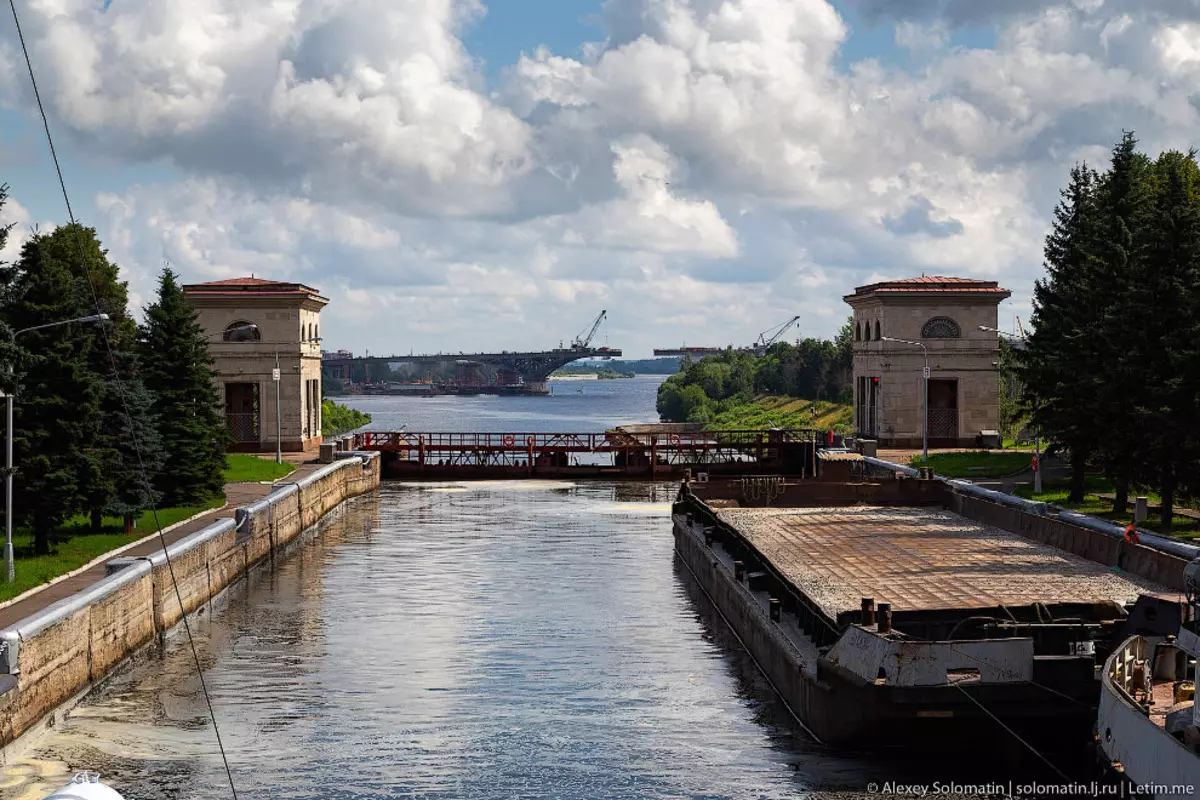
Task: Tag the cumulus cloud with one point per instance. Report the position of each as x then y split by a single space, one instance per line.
710 164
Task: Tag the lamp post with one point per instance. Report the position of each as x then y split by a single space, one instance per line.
276 376
1019 343
925 407
9 562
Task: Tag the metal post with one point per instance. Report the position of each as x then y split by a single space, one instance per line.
925 423
278 427
1037 453
10 566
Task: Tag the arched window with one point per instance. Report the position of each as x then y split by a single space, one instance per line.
858 331
242 331
941 328
316 331
877 334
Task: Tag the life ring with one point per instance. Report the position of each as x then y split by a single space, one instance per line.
673 438
508 441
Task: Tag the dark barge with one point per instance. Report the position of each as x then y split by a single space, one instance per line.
897 612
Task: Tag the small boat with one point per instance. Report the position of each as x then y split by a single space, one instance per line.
86 786
1148 725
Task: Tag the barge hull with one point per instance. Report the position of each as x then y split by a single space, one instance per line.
837 708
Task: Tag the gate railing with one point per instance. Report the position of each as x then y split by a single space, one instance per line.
943 423
242 427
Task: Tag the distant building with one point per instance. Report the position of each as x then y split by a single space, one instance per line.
336 354
944 315
250 322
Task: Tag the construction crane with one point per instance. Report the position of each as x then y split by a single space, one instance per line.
582 341
775 333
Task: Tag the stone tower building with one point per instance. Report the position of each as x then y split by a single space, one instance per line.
943 315
251 324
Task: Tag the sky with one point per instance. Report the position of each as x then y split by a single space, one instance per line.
456 175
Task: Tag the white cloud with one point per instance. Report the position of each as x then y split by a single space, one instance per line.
709 154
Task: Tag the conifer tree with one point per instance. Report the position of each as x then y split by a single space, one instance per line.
1165 334
1120 379
1060 351
177 368
57 414
112 478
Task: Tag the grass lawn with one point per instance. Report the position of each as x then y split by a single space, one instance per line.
976 464
1092 505
241 468
83 546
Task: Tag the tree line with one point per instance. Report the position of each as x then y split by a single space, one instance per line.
111 418
1111 371
811 369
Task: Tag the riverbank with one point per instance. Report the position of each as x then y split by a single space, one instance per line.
779 411
56 643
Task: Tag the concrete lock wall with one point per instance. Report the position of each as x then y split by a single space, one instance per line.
62 650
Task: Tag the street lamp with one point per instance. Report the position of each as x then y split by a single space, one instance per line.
278 412
9 563
925 408
1019 342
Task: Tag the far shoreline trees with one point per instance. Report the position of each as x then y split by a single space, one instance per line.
812 369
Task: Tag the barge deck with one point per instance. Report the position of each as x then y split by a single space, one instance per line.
921 559
894 612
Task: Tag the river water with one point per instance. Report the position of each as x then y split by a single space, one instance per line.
474 640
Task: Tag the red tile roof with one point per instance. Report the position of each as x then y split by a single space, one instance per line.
234 287
933 283
241 282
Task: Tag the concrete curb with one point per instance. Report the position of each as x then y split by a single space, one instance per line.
100 559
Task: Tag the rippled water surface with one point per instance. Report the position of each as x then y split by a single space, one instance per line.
483 640
475 640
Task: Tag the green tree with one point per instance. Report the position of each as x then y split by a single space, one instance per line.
57 422
1164 332
177 368
1060 353
1121 380
114 473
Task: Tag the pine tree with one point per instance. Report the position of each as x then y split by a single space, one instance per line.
1164 333
57 414
177 368
1060 352
1120 379
10 353
112 478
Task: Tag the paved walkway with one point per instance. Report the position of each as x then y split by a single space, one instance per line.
236 495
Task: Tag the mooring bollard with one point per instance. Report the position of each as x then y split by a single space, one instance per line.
776 609
708 536
885 618
739 570
868 611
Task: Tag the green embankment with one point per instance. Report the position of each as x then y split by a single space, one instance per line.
774 411
1096 506
241 468
78 545
337 419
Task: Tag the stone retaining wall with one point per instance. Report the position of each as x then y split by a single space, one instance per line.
60 651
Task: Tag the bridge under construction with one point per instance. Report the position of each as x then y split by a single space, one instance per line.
631 452
466 373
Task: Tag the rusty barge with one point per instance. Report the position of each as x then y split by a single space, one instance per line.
891 611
